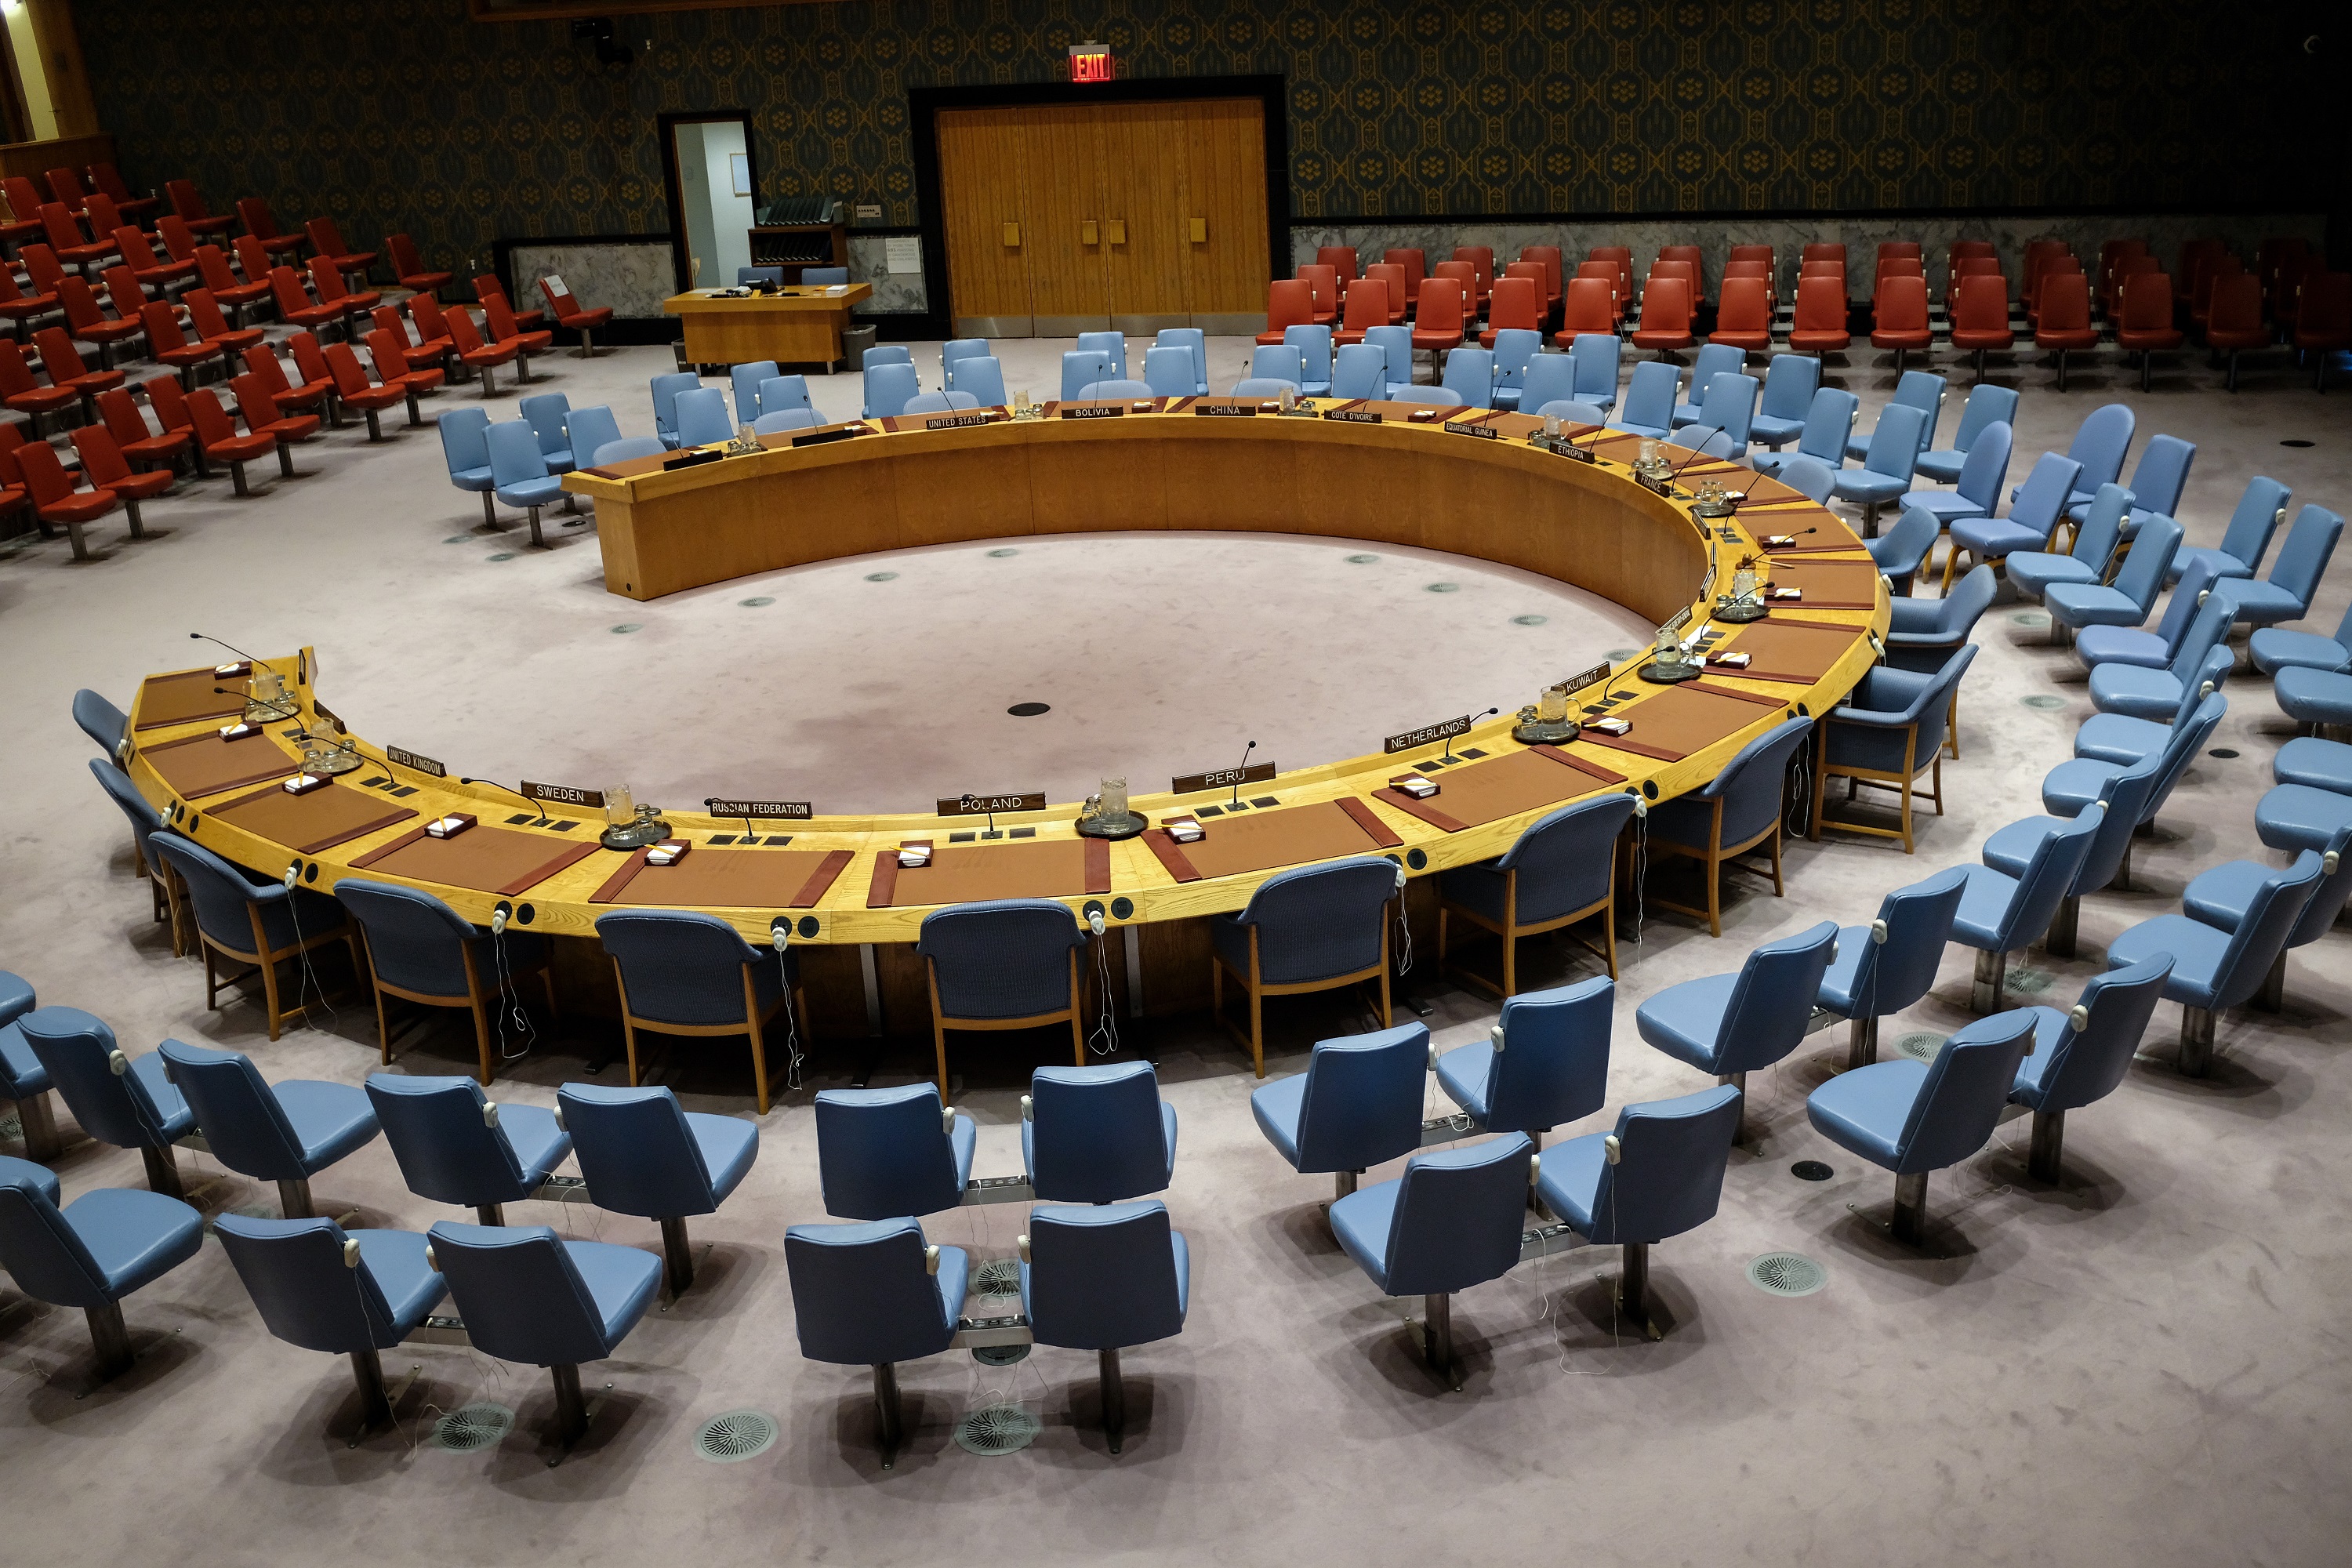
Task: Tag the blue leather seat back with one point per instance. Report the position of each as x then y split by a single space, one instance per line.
295 1271
2092 1062
747 380
520 1293
1554 1065
1668 1177
40 1251
1897 972
445 1150
239 1117
145 819
1005 958
1960 1102
861 1294
2100 444
702 416
883 1152
77 1049
2261 935
1102 1278
1459 1214
637 1150
1363 1097
1772 1001
515 457
464 445
1096 1134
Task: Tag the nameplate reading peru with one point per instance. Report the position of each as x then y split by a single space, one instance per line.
1220 778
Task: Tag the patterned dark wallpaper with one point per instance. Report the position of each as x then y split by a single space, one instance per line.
401 114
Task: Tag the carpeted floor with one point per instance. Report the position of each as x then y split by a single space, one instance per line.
2142 1364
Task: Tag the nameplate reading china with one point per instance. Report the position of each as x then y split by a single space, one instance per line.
1584 678
1462 427
1352 415
958 421
1220 778
1411 738
1223 411
1106 411
982 805
564 794
783 810
416 762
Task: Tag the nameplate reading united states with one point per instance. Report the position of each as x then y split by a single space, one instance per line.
1411 738
415 762
564 794
1462 427
980 805
1220 778
784 810
1353 415
958 421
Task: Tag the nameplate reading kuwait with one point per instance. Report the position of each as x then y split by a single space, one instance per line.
980 805
782 810
1411 738
1221 778
564 794
1584 678
412 760
958 421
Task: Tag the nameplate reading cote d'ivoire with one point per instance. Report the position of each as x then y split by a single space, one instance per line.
1411 738
984 805
416 762
1353 415
779 810
1462 427
958 421
564 794
1220 778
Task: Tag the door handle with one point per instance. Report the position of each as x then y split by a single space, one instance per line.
1087 233
1199 231
1117 227
1012 236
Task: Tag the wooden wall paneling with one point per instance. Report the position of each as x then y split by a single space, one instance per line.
1075 482
1062 189
1224 165
980 490
979 193
1143 188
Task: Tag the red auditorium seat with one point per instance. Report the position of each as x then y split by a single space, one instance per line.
570 315
2210 271
1465 275
314 394
326 242
391 369
1697 259
1321 281
1604 270
71 191
2144 322
1438 314
1898 317
217 438
432 325
1394 278
140 257
205 316
1820 323
222 284
409 268
327 282
465 341
1743 319
2194 254
18 307
428 355
1517 302
2234 322
294 306
2053 268
24 222
41 267
1589 306
2064 325
1289 302
1367 306
21 391
1341 260
125 293
1980 317
1666 315
353 390
65 238
121 411
262 225
171 413
1547 257
106 178
55 500
264 417
1481 258
1416 270
488 285
65 367
103 466
2323 320
189 207
169 347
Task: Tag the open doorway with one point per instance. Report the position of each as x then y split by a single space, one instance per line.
713 185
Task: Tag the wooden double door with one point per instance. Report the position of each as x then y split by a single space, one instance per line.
1067 218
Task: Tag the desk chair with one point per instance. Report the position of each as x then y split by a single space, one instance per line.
1829 420
874 1294
666 389
1649 400
285 1132
2287 593
1562 869
2095 646
92 1252
587 431
643 1154
547 413
1736 810
702 412
1711 361
1168 371
1281 362
1083 367
127 1102
2222 896
881 1152
823 276
1005 963
746 381
1598 357
2000 913
2079 1057
2035 510
165 896
24 1080
1316 928
1195 341
1102 1279
1808 476
1891 731
1314 345
779 392
1096 1134
420 950
1903 550
2161 473
681 972
1987 406
2260 507
521 470
1977 492
1790 382
252 922
1356 1105
1885 472
2216 968
1733 1025
1546 1064
1885 966
455 1145
2128 600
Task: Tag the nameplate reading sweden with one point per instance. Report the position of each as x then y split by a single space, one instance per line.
1221 778
564 794
1411 738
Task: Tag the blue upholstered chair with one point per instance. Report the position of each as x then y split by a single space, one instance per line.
2095 646
2100 445
1562 869
526 1295
2317 699
1732 813
1356 1105
825 277
702 417
1546 1064
2031 571
1570 412
2155 485
779 392
1808 476
982 378
1516 349
2156 694
1888 965
2075 783
2126 797
1102 1279
882 1153
1275 362
588 431
1649 400
956 349
2259 509
106 725
1902 551
284 1132
1358 371
1999 915
1314 345
22 1079
1113 343
1733 1025
1829 419
251 922
466 451
1548 379
1976 490
1890 731
2080 1056
422 951
1312 929
666 389
746 381
1395 344
1711 361
1270 388
2215 969
2285 593
1789 383
1167 370
2035 508
1470 376
1922 390
1598 357
1453 1220
92 1252
2297 815
874 1294
1008 963
1659 1175
955 402
162 885
686 973
643 1154
520 472
2221 896
1987 406
784 421
353 1294
1912 1117
127 1102
2273 649
888 388
455 1145
2128 599
746 276
1729 405
1193 341
2304 761
1082 367
1885 471
1096 1134
546 414
885 353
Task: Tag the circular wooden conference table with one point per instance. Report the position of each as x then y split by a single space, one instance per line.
886 484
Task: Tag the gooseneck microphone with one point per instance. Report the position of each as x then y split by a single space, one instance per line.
540 806
1241 770
1473 720
206 636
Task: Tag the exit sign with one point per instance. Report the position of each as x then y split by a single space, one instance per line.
1090 62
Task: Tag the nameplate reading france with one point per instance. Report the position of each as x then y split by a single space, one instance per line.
958 421
1462 427
985 805
416 762
564 794
1094 411
1220 778
1353 415
1411 738
779 810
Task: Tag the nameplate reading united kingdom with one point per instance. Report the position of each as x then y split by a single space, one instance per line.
982 804
1463 427
782 810
1220 778
1228 410
1096 411
416 762
1411 738
1353 415
564 794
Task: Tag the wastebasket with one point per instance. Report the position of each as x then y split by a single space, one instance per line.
855 342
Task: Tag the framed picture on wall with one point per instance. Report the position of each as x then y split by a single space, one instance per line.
739 165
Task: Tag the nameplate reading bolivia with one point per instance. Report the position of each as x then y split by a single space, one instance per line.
1094 411
1463 427
1220 778
1411 738
986 804
416 762
564 794
782 810
958 421
1353 415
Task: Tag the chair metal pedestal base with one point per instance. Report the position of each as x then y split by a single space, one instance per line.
2272 995
677 1256
490 1214
2195 1041
1910 1208
1633 1287
294 1199
1437 1339
375 1403
164 1173
1114 1398
571 1411
2049 1135
2063 925
489 511
1738 1080
109 1338
1862 1043
40 1127
1343 1182
1991 980
885 1409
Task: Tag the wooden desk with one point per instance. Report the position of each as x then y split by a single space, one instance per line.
799 326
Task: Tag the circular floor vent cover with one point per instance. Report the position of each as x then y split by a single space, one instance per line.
1787 1274
1921 1046
2027 982
736 1435
997 1276
472 1427
995 1429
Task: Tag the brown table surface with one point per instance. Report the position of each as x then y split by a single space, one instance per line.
318 819
1783 652
972 873
1288 835
1686 719
486 860
1502 786
726 879
181 697
206 764
1828 585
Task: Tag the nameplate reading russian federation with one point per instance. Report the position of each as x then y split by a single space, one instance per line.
1423 737
416 762
1584 678
982 805
1098 411
564 794
1220 778
1463 427
958 421
784 810
1228 411
1353 415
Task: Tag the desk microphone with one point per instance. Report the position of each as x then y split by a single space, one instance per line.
202 636
1243 769
1712 432
1473 720
540 806
1801 533
751 835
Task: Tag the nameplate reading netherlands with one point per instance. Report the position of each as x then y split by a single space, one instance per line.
984 805
1220 778
416 762
1411 738
1462 427
958 421
780 810
564 794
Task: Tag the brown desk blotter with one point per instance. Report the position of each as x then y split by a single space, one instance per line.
1674 721
1828 585
1264 840
314 820
482 859
728 878
1501 786
975 873
206 764
1787 650
185 696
